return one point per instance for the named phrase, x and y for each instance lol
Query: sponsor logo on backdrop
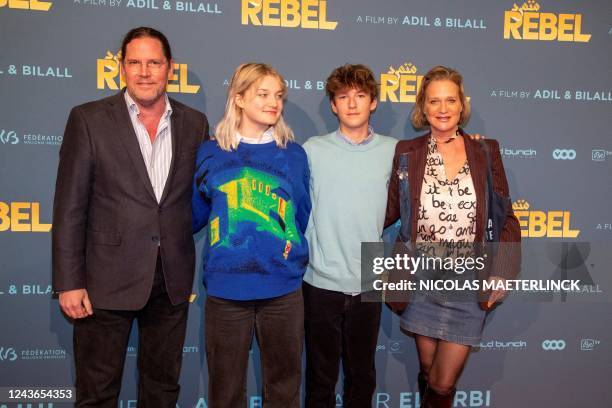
(306, 85)
(604, 226)
(600, 155)
(553, 345)
(522, 153)
(199, 7)
(400, 84)
(410, 399)
(564, 154)
(287, 13)
(109, 75)
(8, 354)
(526, 22)
(254, 401)
(37, 71)
(540, 224)
(28, 290)
(553, 95)
(132, 351)
(497, 345)
(588, 344)
(37, 5)
(394, 347)
(405, 399)
(43, 354)
(10, 137)
(22, 217)
(433, 22)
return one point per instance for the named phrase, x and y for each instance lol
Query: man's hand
(75, 303)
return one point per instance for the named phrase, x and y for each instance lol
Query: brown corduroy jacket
(508, 259)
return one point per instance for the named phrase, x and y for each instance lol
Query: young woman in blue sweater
(251, 190)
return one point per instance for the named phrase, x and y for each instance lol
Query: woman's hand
(499, 292)
(397, 307)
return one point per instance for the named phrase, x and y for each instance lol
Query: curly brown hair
(356, 76)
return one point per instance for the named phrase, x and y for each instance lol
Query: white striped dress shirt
(157, 155)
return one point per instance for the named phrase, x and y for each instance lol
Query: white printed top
(447, 212)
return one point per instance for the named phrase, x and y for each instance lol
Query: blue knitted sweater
(256, 203)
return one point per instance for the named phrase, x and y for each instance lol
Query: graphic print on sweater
(254, 199)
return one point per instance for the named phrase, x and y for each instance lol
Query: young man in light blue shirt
(350, 171)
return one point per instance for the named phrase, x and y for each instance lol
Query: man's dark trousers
(100, 344)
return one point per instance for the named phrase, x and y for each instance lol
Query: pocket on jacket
(103, 238)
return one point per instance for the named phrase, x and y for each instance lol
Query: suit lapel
(128, 138)
(176, 130)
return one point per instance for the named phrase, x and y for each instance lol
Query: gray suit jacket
(107, 224)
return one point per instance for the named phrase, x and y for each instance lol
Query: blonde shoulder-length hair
(246, 76)
(439, 73)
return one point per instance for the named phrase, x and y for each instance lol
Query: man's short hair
(356, 76)
(144, 32)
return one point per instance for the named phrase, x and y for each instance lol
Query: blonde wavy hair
(439, 73)
(246, 76)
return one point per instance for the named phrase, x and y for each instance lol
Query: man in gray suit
(122, 243)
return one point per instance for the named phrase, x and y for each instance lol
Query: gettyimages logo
(401, 84)
(109, 76)
(527, 23)
(287, 13)
(564, 154)
(8, 137)
(553, 345)
(7, 354)
(539, 224)
(38, 5)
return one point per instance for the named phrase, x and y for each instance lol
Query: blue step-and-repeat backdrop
(539, 77)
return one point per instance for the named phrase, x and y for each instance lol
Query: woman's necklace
(450, 139)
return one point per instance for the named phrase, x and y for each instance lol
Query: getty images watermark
(471, 271)
(441, 266)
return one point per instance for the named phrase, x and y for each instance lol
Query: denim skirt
(445, 315)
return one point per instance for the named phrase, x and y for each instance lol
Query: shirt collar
(365, 141)
(133, 106)
(266, 137)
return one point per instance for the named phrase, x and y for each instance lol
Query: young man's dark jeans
(339, 326)
(278, 325)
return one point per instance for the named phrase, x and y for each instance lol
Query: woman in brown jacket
(439, 187)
